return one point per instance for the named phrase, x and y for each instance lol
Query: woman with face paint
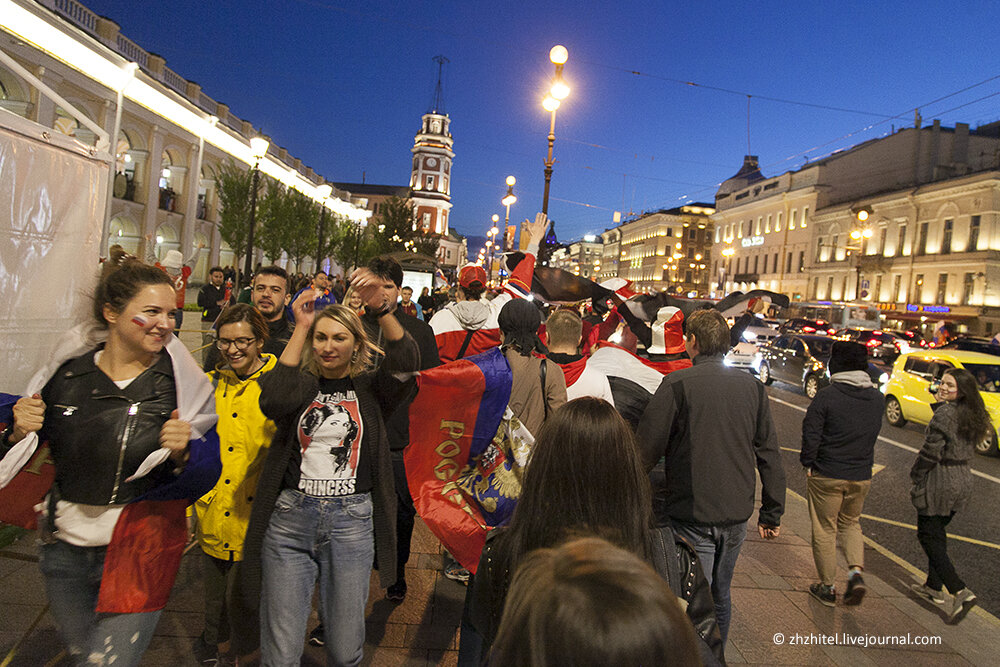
(110, 415)
(326, 497)
(231, 630)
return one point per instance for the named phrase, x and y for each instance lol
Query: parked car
(802, 359)
(806, 326)
(910, 391)
(746, 353)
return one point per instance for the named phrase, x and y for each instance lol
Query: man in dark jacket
(212, 299)
(269, 295)
(398, 423)
(713, 426)
(838, 448)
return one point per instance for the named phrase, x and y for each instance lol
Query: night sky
(343, 85)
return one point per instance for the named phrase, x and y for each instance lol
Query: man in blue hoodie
(838, 448)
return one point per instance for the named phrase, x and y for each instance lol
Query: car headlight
(749, 336)
(726, 361)
(882, 379)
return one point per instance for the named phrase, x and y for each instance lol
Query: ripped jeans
(72, 582)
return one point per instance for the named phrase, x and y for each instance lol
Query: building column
(151, 191)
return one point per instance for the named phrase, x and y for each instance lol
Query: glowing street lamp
(557, 92)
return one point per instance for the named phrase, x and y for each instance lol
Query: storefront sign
(751, 241)
(916, 308)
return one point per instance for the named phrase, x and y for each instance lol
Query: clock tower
(430, 178)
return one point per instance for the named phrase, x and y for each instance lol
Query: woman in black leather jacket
(586, 478)
(110, 415)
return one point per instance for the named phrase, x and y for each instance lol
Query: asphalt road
(889, 519)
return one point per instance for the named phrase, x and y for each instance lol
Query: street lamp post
(859, 235)
(558, 92)
(323, 193)
(508, 199)
(491, 245)
(258, 148)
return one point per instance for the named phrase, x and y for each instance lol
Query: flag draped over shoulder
(466, 452)
(146, 546)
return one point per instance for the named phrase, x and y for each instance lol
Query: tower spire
(437, 104)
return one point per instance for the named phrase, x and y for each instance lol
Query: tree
(302, 226)
(394, 232)
(272, 227)
(234, 185)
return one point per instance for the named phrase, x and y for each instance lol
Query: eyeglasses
(240, 343)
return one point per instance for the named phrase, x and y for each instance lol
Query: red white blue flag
(463, 478)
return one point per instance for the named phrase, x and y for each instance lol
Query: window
(877, 292)
(918, 366)
(429, 183)
(843, 289)
(835, 250)
(775, 263)
(791, 220)
(949, 226)
(777, 223)
(805, 214)
(687, 276)
(819, 248)
(756, 263)
(802, 260)
(922, 240)
(896, 280)
(739, 229)
(718, 232)
(767, 225)
(693, 234)
(942, 288)
(881, 240)
(815, 289)
(918, 289)
(759, 221)
(967, 287)
(829, 287)
(690, 253)
(973, 234)
(901, 243)
(788, 265)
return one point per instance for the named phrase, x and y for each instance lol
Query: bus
(838, 314)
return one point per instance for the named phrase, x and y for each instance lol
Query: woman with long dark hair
(586, 478)
(942, 483)
(124, 408)
(326, 497)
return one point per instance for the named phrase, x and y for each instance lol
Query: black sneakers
(824, 594)
(397, 592)
(316, 637)
(856, 589)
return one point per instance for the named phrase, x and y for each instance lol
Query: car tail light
(872, 343)
(831, 331)
(808, 329)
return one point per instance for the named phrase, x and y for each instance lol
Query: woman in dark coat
(942, 483)
(326, 499)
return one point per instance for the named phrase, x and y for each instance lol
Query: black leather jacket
(99, 434)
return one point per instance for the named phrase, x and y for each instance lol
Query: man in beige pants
(838, 447)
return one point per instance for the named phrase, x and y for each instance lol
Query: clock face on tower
(431, 162)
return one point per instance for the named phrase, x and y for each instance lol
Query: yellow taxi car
(909, 393)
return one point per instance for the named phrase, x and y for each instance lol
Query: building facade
(582, 258)
(669, 250)
(430, 177)
(165, 177)
(610, 254)
(930, 198)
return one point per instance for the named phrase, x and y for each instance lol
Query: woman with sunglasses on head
(130, 424)
(245, 433)
(326, 497)
(942, 483)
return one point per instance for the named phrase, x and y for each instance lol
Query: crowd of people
(287, 438)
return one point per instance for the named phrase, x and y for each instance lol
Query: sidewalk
(769, 597)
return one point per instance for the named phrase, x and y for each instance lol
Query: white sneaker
(925, 592)
(965, 600)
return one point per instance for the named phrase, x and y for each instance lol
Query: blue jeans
(333, 538)
(72, 583)
(718, 547)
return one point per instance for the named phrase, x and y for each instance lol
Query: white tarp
(53, 191)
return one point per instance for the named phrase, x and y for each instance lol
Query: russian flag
(463, 479)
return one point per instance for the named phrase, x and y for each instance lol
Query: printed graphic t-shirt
(329, 460)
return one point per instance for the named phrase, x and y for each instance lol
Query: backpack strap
(465, 344)
(545, 398)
